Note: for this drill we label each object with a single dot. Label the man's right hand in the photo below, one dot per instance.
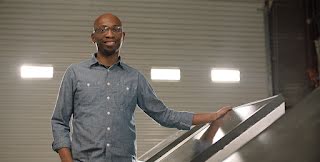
(224, 110)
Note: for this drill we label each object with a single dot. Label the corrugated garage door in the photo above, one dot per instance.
(192, 35)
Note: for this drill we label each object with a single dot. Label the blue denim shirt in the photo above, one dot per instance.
(102, 102)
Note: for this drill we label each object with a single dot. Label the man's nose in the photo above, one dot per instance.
(109, 34)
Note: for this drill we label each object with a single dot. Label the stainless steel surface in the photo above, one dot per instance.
(246, 136)
(160, 146)
(293, 138)
(209, 134)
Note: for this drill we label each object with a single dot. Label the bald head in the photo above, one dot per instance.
(108, 35)
(105, 18)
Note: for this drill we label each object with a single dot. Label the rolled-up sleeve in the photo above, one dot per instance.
(156, 109)
(62, 112)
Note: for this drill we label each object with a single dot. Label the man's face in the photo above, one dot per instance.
(108, 34)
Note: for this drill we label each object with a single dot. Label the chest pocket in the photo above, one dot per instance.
(88, 93)
(126, 96)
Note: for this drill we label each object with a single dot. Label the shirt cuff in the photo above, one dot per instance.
(58, 145)
(186, 120)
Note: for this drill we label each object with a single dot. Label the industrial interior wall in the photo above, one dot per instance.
(194, 36)
(293, 50)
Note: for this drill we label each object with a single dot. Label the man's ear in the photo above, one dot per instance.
(123, 35)
(92, 38)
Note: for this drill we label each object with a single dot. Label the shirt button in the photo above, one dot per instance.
(108, 97)
(108, 145)
(108, 83)
(108, 128)
(108, 70)
(108, 113)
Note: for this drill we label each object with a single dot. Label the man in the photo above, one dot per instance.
(101, 94)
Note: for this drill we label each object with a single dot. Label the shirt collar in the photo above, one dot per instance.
(95, 62)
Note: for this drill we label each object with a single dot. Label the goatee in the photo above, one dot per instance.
(108, 52)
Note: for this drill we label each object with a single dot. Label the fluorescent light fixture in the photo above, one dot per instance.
(39, 71)
(225, 75)
(172, 74)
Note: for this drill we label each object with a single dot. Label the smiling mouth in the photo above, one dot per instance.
(110, 43)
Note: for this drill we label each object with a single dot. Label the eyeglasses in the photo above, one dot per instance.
(114, 29)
